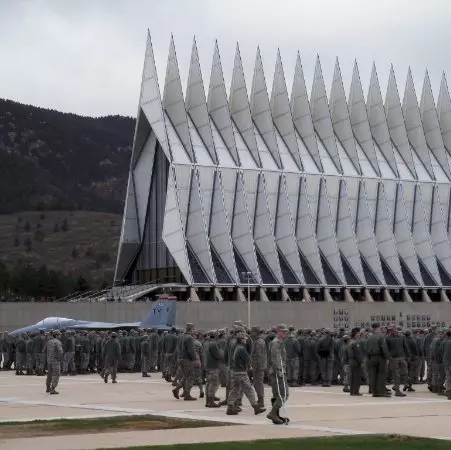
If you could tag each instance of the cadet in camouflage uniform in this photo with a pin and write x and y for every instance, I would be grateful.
(214, 356)
(40, 352)
(154, 344)
(259, 366)
(311, 358)
(199, 366)
(30, 354)
(398, 352)
(85, 348)
(326, 358)
(356, 361)
(293, 350)
(277, 374)
(413, 360)
(223, 371)
(54, 359)
(21, 355)
(112, 354)
(438, 373)
(169, 347)
(145, 356)
(69, 354)
(301, 339)
(344, 362)
(240, 382)
(427, 354)
(447, 363)
(377, 351)
(187, 363)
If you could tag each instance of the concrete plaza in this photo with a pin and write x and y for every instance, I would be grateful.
(314, 411)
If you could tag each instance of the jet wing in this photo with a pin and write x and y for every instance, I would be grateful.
(104, 326)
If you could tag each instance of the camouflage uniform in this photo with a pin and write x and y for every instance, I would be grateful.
(54, 358)
(199, 367)
(293, 350)
(169, 347)
(214, 356)
(40, 352)
(30, 355)
(259, 366)
(112, 355)
(21, 356)
(398, 351)
(187, 362)
(145, 355)
(240, 382)
(326, 358)
(69, 354)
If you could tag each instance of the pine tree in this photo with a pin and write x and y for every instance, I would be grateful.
(28, 245)
(64, 225)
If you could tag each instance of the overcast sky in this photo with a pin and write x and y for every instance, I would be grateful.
(86, 56)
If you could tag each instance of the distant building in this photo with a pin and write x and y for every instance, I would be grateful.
(310, 198)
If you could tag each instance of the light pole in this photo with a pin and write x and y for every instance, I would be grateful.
(248, 276)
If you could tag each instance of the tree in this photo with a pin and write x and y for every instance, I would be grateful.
(28, 245)
(16, 241)
(82, 285)
(64, 225)
(39, 236)
(27, 226)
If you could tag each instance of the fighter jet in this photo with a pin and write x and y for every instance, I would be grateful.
(161, 316)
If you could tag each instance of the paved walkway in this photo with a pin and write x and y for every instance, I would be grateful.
(314, 411)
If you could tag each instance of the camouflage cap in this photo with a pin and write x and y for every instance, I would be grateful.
(281, 327)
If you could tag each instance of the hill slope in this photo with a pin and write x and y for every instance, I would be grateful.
(79, 243)
(55, 161)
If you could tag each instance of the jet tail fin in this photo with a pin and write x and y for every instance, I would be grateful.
(161, 315)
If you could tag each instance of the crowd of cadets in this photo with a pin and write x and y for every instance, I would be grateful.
(242, 360)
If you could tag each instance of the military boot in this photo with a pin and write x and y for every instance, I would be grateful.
(409, 388)
(146, 375)
(202, 394)
(114, 381)
(52, 391)
(223, 402)
(398, 393)
(448, 395)
(346, 389)
(175, 393)
(210, 403)
(187, 397)
(48, 389)
(216, 399)
(434, 389)
(441, 391)
(274, 416)
(261, 401)
(258, 409)
(231, 411)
